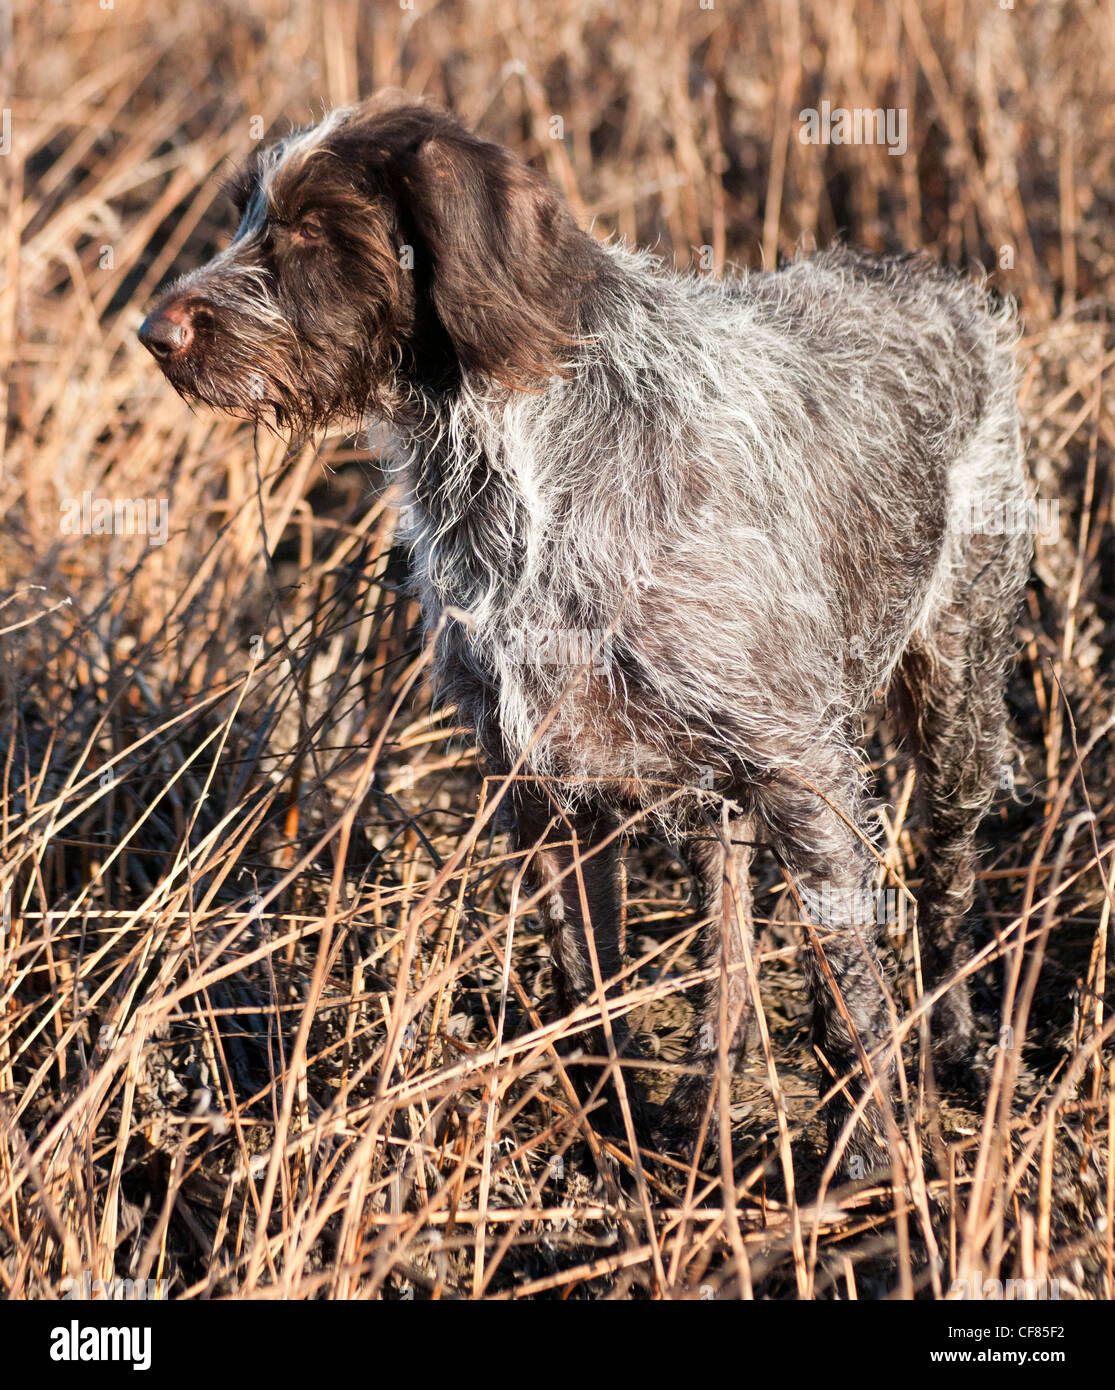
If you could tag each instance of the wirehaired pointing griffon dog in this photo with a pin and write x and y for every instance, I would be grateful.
(751, 499)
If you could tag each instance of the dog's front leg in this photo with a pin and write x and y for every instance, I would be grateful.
(574, 862)
(720, 863)
(832, 870)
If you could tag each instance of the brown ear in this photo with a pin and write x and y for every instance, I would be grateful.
(508, 265)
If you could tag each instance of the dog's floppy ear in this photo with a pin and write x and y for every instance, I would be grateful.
(507, 263)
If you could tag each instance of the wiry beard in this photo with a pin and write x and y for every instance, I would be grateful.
(297, 340)
(285, 381)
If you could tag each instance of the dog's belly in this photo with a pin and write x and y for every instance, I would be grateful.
(580, 728)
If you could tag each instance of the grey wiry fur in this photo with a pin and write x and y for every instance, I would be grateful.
(748, 498)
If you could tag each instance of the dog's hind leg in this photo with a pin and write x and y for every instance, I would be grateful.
(953, 681)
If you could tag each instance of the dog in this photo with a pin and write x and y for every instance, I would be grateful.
(675, 536)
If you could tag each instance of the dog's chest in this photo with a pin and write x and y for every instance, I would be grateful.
(467, 543)
(519, 648)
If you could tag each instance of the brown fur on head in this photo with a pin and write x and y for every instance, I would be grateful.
(380, 252)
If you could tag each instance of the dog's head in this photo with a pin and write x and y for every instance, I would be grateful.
(384, 249)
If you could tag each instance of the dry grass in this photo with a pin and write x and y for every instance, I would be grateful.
(273, 1014)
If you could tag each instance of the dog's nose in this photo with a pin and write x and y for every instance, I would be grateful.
(165, 332)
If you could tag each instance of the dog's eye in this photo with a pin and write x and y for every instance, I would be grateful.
(308, 229)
